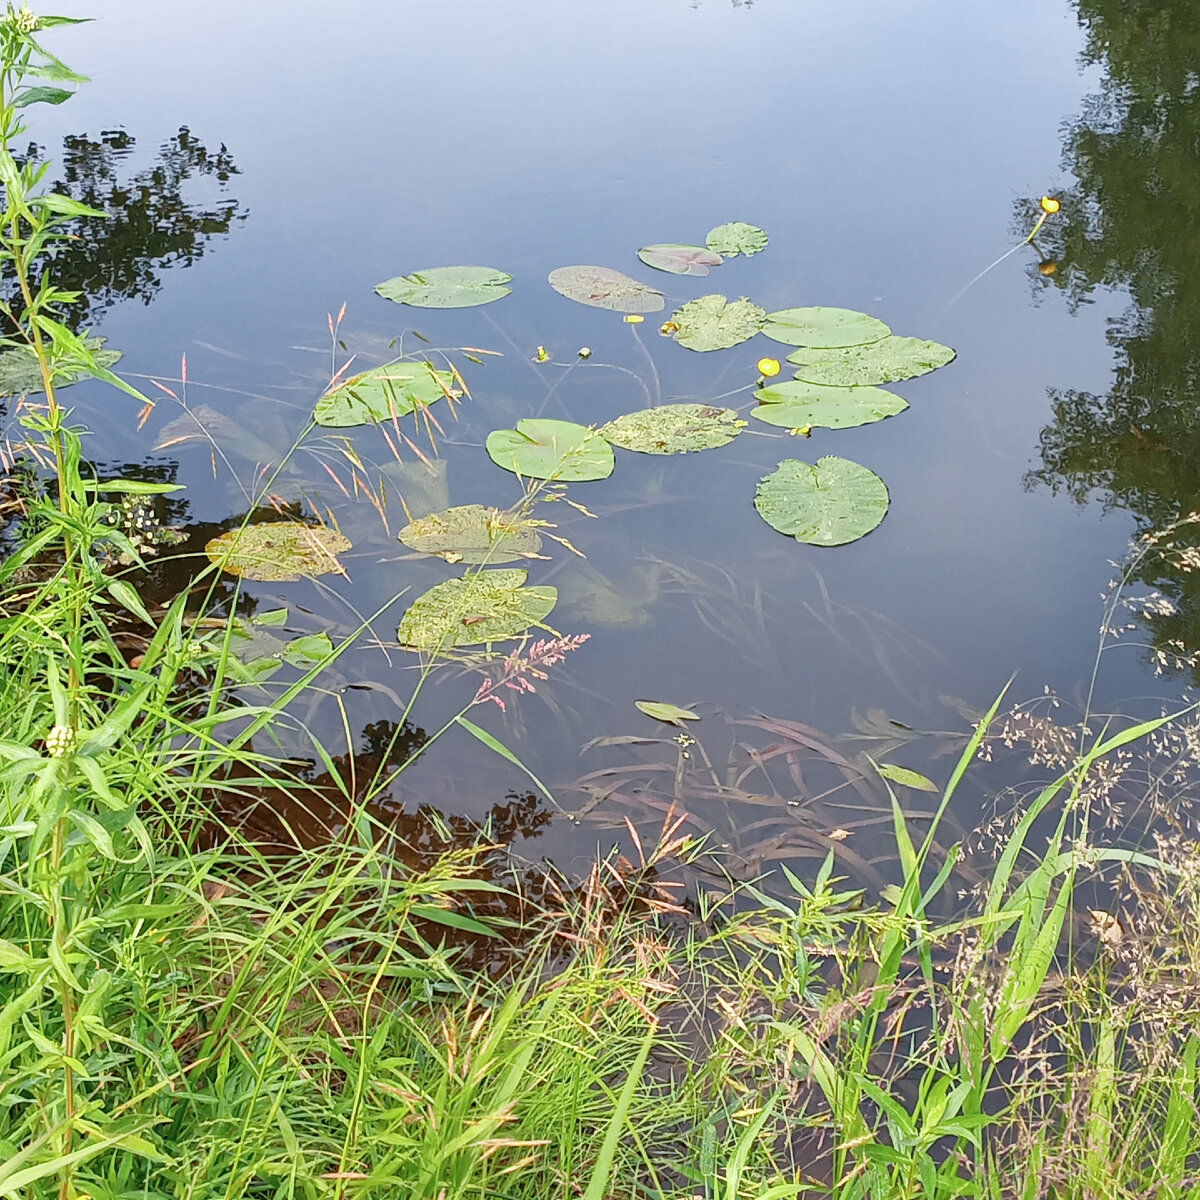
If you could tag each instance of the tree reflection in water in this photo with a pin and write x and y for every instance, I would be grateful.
(1131, 221)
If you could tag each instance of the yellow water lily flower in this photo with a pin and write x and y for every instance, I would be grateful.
(585, 352)
(634, 318)
(543, 355)
(669, 328)
(1050, 205)
(768, 366)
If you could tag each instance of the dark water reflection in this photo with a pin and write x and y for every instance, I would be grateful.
(881, 149)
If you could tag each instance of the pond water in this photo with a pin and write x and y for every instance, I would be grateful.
(268, 169)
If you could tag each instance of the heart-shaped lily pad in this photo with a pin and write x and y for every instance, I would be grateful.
(734, 238)
(825, 327)
(679, 260)
(829, 504)
(484, 606)
(884, 361)
(545, 449)
(674, 428)
(715, 323)
(382, 394)
(474, 533)
(796, 404)
(447, 287)
(276, 551)
(602, 287)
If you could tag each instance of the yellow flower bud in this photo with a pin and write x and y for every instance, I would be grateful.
(634, 318)
(669, 328)
(768, 367)
(1050, 205)
(543, 355)
(585, 352)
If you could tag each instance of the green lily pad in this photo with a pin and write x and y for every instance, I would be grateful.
(795, 404)
(602, 287)
(277, 551)
(884, 361)
(678, 259)
(21, 373)
(674, 429)
(447, 287)
(545, 449)
(485, 606)
(734, 238)
(829, 504)
(824, 327)
(473, 533)
(382, 394)
(661, 710)
(714, 323)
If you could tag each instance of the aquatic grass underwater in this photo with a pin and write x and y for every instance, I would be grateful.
(185, 1012)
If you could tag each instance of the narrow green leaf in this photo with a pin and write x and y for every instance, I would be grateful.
(501, 749)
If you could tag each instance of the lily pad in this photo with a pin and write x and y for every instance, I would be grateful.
(714, 323)
(734, 238)
(796, 404)
(21, 374)
(829, 504)
(662, 710)
(825, 327)
(383, 393)
(602, 287)
(473, 533)
(674, 429)
(545, 449)
(884, 361)
(447, 287)
(485, 606)
(277, 551)
(679, 260)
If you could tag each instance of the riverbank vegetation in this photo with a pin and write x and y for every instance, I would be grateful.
(189, 1009)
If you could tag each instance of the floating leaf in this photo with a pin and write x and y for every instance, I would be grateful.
(714, 323)
(21, 373)
(796, 404)
(674, 429)
(830, 504)
(736, 238)
(447, 287)
(383, 393)
(906, 778)
(679, 260)
(824, 327)
(884, 361)
(256, 655)
(275, 551)
(545, 449)
(485, 606)
(672, 714)
(473, 533)
(602, 287)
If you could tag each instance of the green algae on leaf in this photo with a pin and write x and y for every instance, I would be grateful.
(278, 551)
(382, 394)
(473, 533)
(484, 606)
(674, 429)
(885, 361)
(544, 449)
(679, 259)
(602, 287)
(715, 323)
(824, 327)
(829, 504)
(447, 287)
(734, 238)
(795, 404)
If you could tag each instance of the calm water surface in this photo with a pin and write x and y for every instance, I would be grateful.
(891, 151)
